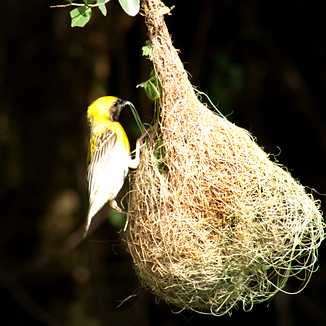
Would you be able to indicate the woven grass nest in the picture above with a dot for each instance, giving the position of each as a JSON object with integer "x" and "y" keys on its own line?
{"x": 213, "y": 222}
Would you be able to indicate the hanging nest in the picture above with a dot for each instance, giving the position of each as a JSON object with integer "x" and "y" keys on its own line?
{"x": 213, "y": 222}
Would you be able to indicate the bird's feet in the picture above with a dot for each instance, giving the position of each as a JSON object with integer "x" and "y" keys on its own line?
{"x": 140, "y": 140}
{"x": 139, "y": 144}
{"x": 115, "y": 206}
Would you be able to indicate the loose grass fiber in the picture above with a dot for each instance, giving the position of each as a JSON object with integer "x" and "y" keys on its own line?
{"x": 213, "y": 222}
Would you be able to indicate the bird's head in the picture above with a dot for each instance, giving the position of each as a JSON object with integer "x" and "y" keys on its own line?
{"x": 104, "y": 109}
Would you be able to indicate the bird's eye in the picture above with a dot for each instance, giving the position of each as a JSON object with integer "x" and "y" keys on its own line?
{"x": 115, "y": 104}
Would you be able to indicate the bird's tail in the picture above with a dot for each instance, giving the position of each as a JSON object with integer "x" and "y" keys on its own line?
{"x": 88, "y": 221}
{"x": 94, "y": 207}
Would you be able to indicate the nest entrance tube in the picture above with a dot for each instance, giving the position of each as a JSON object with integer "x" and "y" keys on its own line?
{"x": 213, "y": 222}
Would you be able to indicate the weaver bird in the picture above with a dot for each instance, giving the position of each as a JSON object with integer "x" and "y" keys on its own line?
{"x": 108, "y": 156}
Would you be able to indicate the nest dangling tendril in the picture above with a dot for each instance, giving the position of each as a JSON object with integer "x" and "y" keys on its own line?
{"x": 213, "y": 222}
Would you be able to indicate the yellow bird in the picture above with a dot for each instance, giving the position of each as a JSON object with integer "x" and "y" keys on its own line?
{"x": 108, "y": 156}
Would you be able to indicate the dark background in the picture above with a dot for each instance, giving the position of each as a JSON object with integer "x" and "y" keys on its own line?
{"x": 262, "y": 61}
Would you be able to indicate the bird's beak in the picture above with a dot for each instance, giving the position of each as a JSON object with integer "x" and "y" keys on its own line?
{"x": 125, "y": 103}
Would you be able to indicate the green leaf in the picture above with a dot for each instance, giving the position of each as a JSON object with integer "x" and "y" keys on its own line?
{"x": 146, "y": 50}
{"x": 143, "y": 84}
{"x": 101, "y": 5}
{"x": 152, "y": 75}
{"x": 152, "y": 86}
{"x": 131, "y": 7}
{"x": 159, "y": 153}
{"x": 103, "y": 9}
{"x": 151, "y": 91}
{"x": 89, "y": 2}
{"x": 80, "y": 16}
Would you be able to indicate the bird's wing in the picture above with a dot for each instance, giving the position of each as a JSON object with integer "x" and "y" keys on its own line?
{"x": 98, "y": 158}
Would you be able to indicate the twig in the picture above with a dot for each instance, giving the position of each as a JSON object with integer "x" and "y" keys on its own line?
{"x": 78, "y": 5}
